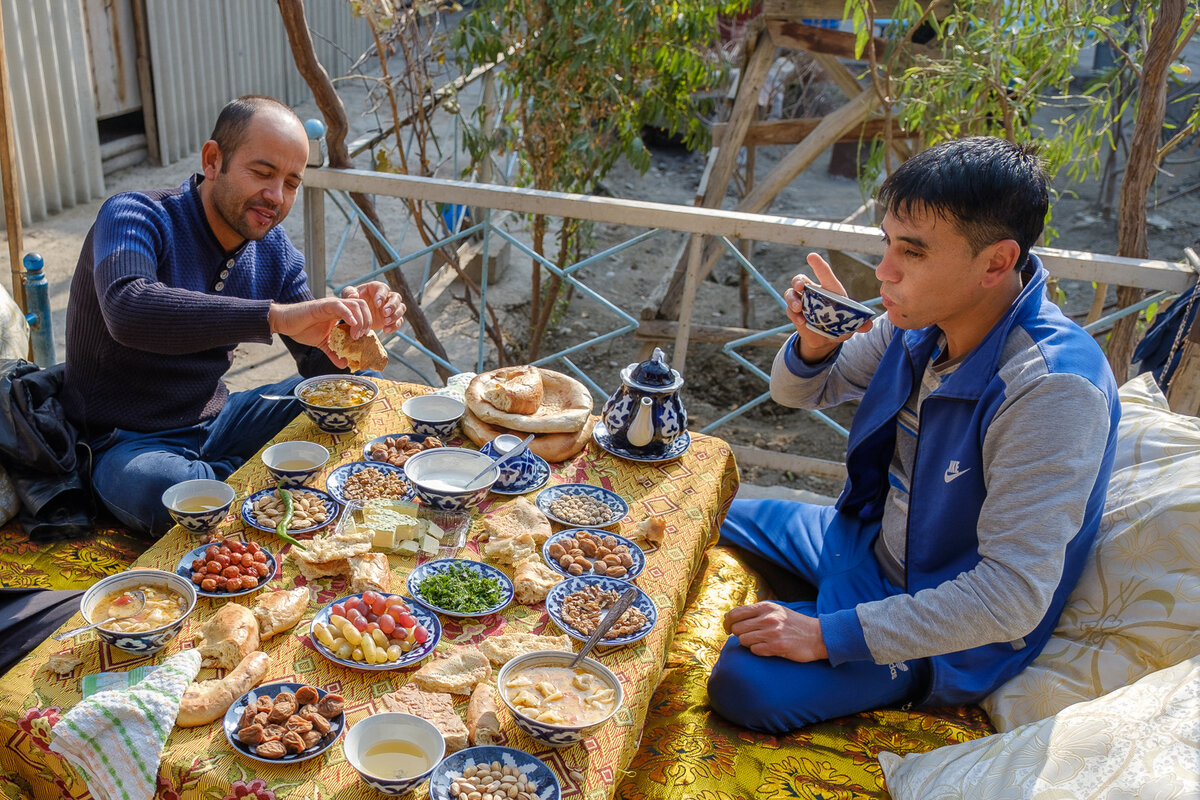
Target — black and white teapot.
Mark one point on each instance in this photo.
(646, 414)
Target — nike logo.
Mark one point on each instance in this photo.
(953, 471)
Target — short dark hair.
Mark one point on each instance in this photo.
(234, 121)
(989, 188)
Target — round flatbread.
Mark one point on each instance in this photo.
(565, 407)
(554, 447)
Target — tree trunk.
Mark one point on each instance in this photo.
(1140, 171)
(314, 74)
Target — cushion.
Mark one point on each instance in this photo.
(1137, 605)
(1142, 740)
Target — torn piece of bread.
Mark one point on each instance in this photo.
(324, 569)
(205, 701)
(62, 664)
(483, 719)
(519, 516)
(227, 638)
(435, 707)
(499, 649)
(457, 673)
(325, 556)
(533, 580)
(278, 611)
(365, 352)
(517, 390)
(652, 530)
(508, 551)
(370, 571)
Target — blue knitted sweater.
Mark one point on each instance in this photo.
(157, 308)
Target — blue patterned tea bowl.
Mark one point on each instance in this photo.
(515, 471)
(294, 463)
(510, 683)
(832, 315)
(375, 732)
(437, 476)
(198, 505)
(153, 639)
(326, 400)
(434, 414)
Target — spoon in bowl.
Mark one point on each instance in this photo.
(516, 451)
(277, 396)
(135, 601)
(610, 617)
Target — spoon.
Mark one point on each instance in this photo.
(277, 396)
(516, 451)
(613, 614)
(134, 605)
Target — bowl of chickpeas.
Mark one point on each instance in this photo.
(170, 598)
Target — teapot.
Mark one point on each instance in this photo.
(645, 415)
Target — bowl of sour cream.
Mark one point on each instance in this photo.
(439, 476)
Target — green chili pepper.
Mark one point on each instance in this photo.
(288, 512)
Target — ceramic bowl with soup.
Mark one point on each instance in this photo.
(170, 598)
(198, 505)
(557, 705)
(294, 463)
(439, 477)
(337, 403)
(393, 752)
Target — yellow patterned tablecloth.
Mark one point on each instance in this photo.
(692, 493)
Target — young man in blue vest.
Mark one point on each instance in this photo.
(977, 463)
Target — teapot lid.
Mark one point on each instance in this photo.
(654, 371)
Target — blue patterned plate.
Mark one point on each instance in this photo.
(453, 765)
(616, 505)
(566, 539)
(234, 715)
(184, 569)
(336, 482)
(443, 566)
(416, 438)
(420, 651)
(672, 451)
(559, 592)
(536, 480)
(331, 510)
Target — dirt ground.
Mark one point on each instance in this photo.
(715, 383)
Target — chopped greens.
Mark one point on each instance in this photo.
(460, 589)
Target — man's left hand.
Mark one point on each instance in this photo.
(770, 629)
(387, 307)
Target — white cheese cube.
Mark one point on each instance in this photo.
(408, 547)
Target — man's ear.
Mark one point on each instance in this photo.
(1001, 259)
(210, 159)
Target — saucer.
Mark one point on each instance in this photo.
(673, 451)
(536, 479)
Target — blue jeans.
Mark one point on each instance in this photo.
(833, 553)
(130, 470)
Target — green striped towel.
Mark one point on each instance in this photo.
(115, 739)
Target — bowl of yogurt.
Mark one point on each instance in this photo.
(439, 477)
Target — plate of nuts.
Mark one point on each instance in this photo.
(577, 605)
(581, 505)
(396, 448)
(587, 552)
(360, 481)
(228, 568)
(470, 772)
(284, 722)
(311, 509)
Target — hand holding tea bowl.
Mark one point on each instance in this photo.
(198, 505)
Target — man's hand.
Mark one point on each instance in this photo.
(311, 321)
(769, 629)
(386, 307)
(815, 347)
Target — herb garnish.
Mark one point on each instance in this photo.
(460, 589)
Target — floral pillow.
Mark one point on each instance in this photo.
(1136, 608)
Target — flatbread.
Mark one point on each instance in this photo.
(500, 649)
(365, 352)
(554, 447)
(436, 707)
(565, 408)
(517, 517)
(517, 390)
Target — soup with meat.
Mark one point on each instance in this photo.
(559, 696)
(163, 607)
(337, 393)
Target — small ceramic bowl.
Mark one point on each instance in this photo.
(336, 419)
(198, 505)
(377, 731)
(142, 642)
(434, 414)
(435, 474)
(832, 315)
(515, 471)
(544, 732)
(294, 463)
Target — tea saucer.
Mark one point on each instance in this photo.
(673, 451)
(535, 480)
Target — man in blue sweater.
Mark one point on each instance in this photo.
(977, 463)
(169, 282)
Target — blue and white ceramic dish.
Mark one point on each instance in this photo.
(433, 473)
(331, 510)
(146, 642)
(565, 538)
(421, 614)
(544, 732)
(337, 419)
(536, 479)
(616, 505)
(198, 521)
(310, 457)
(453, 766)
(646, 455)
(184, 570)
(234, 715)
(444, 566)
(516, 470)
(832, 315)
(335, 484)
(393, 726)
(559, 592)
(434, 414)
(416, 438)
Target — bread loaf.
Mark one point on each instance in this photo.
(365, 352)
(483, 721)
(206, 701)
(565, 407)
(278, 611)
(227, 638)
(554, 447)
(516, 390)
(457, 673)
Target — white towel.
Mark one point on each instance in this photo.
(115, 739)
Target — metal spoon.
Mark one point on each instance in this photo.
(613, 614)
(277, 396)
(134, 606)
(516, 451)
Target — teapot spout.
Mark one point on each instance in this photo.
(641, 430)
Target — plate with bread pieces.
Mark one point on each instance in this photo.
(400, 633)
(537, 780)
(365, 352)
(460, 587)
(582, 505)
(646, 455)
(248, 563)
(282, 723)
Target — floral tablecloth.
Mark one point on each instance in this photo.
(692, 493)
